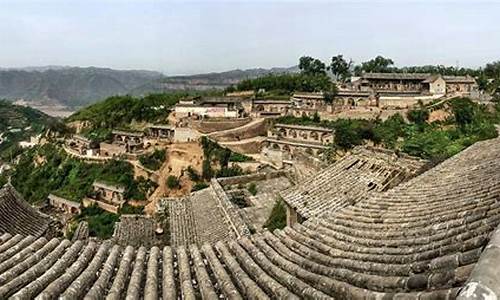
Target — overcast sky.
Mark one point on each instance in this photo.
(192, 37)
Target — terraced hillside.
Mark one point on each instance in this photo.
(14, 116)
(19, 123)
(419, 240)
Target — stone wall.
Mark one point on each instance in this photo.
(243, 179)
(209, 125)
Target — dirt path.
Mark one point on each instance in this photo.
(256, 139)
(179, 158)
(237, 129)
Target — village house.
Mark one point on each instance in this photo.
(130, 141)
(106, 196)
(307, 104)
(294, 139)
(83, 145)
(213, 107)
(265, 108)
(351, 98)
(69, 207)
(414, 83)
(160, 132)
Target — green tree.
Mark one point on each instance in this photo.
(252, 188)
(492, 70)
(173, 182)
(207, 171)
(340, 68)
(347, 134)
(379, 64)
(311, 66)
(418, 116)
(316, 118)
(277, 218)
(463, 110)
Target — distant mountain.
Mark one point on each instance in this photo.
(208, 81)
(75, 87)
(69, 86)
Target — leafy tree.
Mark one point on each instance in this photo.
(277, 218)
(463, 110)
(418, 116)
(252, 188)
(230, 172)
(316, 118)
(153, 161)
(482, 82)
(311, 66)
(379, 64)
(128, 209)
(388, 132)
(350, 133)
(173, 182)
(286, 84)
(340, 68)
(492, 70)
(207, 171)
(199, 186)
(101, 223)
(238, 157)
(193, 175)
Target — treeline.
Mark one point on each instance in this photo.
(468, 123)
(285, 84)
(315, 75)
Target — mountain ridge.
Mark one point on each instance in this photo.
(80, 86)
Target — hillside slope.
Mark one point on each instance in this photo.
(19, 123)
(71, 87)
(208, 81)
(75, 87)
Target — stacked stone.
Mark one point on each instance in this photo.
(420, 240)
(350, 179)
(18, 217)
(134, 230)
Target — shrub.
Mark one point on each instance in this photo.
(230, 172)
(207, 171)
(199, 186)
(277, 218)
(153, 161)
(173, 182)
(128, 209)
(101, 222)
(252, 188)
(463, 110)
(238, 157)
(418, 116)
(193, 175)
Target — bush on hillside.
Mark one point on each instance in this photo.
(153, 161)
(173, 182)
(277, 218)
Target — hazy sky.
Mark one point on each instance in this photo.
(191, 37)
